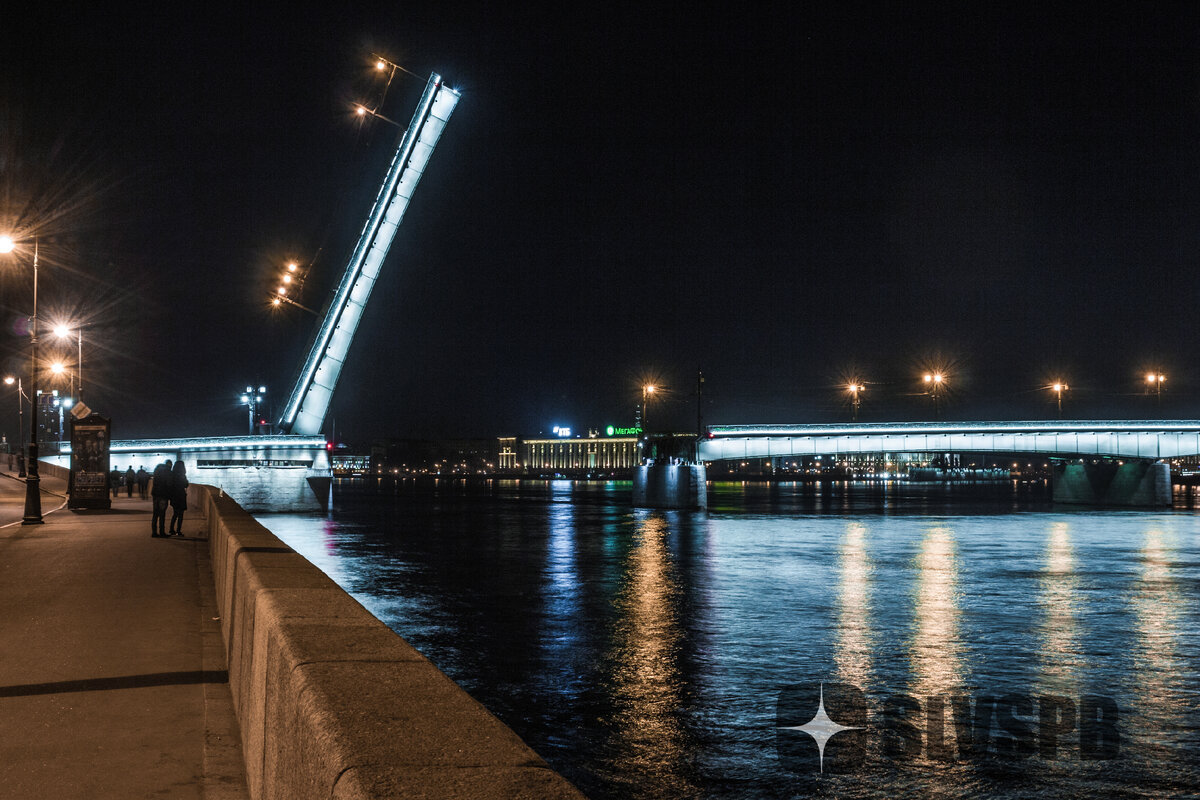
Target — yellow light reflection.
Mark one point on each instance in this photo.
(1058, 630)
(648, 737)
(935, 652)
(1160, 667)
(852, 652)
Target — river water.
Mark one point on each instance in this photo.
(981, 643)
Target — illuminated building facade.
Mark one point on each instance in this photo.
(580, 453)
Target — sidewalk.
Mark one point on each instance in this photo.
(113, 681)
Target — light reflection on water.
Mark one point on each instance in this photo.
(641, 653)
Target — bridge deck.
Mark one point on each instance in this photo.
(1141, 439)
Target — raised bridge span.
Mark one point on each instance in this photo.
(1131, 439)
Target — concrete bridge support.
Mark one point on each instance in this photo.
(1111, 483)
(670, 486)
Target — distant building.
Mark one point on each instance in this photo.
(593, 452)
(346, 464)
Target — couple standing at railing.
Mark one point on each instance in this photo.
(169, 488)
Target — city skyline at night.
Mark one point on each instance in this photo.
(792, 204)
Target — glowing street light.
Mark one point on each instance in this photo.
(251, 400)
(647, 391)
(33, 492)
(64, 332)
(10, 380)
(935, 382)
(1058, 387)
(855, 400)
(1154, 381)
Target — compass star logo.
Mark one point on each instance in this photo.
(841, 712)
(822, 728)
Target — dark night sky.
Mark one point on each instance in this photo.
(783, 199)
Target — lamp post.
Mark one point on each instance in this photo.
(1058, 387)
(62, 332)
(935, 381)
(251, 399)
(33, 490)
(647, 390)
(1154, 380)
(10, 380)
(855, 400)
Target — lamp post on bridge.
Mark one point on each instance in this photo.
(935, 382)
(1058, 387)
(855, 400)
(1154, 380)
(251, 400)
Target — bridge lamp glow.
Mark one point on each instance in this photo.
(57, 368)
(7, 244)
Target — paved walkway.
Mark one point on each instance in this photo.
(112, 673)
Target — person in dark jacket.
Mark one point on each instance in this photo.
(130, 478)
(143, 481)
(179, 484)
(161, 493)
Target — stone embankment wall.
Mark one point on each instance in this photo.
(331, 702)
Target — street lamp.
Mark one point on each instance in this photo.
(935, 382)
(251, 400)
(855, 401)
(62, 332)
(1154, 380)
(647, 390)
(33, 489)
(1058, 387)
(10, 380)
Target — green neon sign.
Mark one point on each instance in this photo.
(614, 431)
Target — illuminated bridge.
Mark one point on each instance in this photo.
(291, 471)
(1094, 462)
(1148, 439)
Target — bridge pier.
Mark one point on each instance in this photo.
(670, 486)
(1111, 483)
